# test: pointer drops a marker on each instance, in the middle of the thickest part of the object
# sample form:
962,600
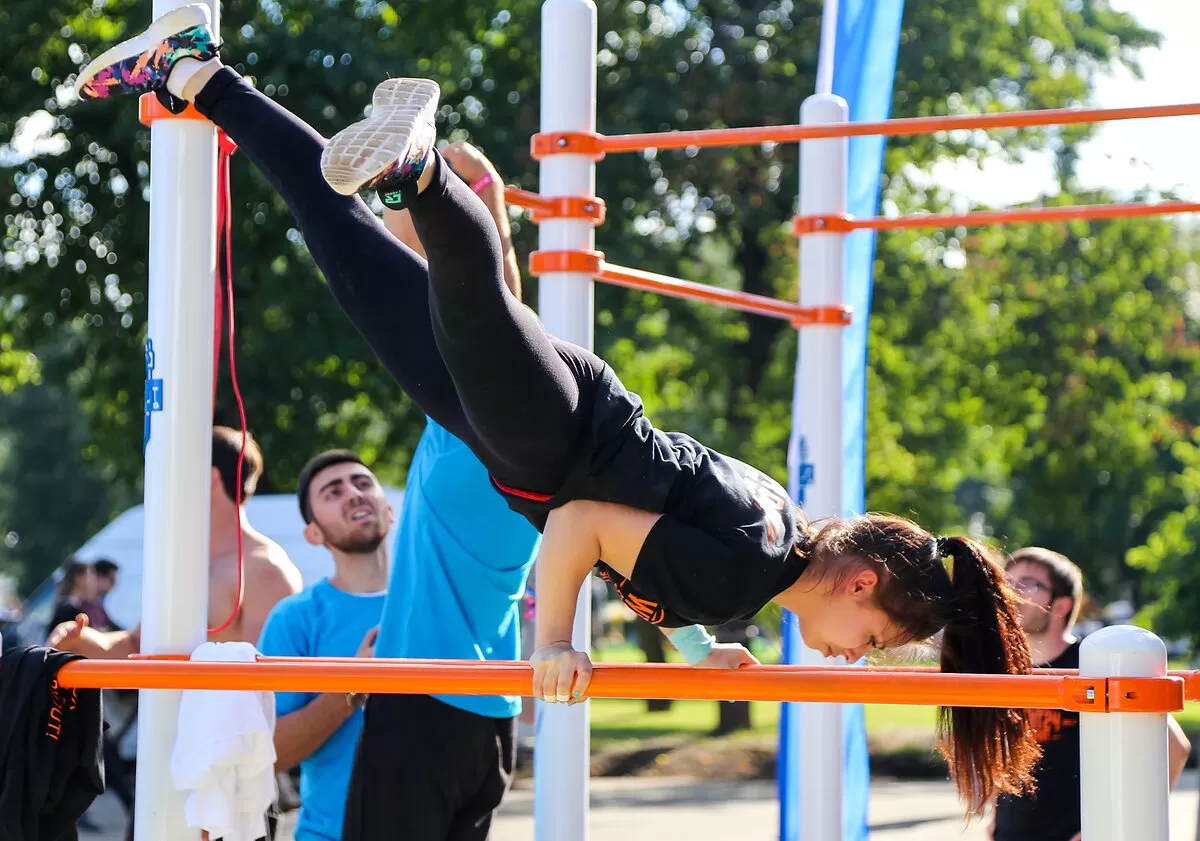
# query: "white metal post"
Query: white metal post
179,375
565,303
1123,772
816,446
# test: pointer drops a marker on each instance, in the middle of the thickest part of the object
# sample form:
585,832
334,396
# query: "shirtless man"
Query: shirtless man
269,574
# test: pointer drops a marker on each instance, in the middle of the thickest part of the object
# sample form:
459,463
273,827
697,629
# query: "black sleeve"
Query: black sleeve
694,575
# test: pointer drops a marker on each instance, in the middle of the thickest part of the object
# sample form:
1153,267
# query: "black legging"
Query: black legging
470,354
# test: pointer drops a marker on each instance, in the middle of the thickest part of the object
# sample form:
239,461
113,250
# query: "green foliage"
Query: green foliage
1037,389
51,497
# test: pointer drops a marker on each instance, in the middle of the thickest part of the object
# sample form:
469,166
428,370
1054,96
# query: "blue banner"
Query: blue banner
868,39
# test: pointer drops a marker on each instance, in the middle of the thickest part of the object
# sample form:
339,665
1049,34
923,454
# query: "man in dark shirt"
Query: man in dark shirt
1053,589
105,573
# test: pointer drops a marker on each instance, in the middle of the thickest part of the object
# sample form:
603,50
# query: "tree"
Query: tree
1168,556
81,196
1047,360
51,498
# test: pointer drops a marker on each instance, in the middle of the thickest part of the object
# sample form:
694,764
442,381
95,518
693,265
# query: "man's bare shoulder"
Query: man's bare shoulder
266,560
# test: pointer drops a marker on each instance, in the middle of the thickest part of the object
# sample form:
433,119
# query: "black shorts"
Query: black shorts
426,771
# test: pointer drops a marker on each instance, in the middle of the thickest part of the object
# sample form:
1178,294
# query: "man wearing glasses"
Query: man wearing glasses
1052,589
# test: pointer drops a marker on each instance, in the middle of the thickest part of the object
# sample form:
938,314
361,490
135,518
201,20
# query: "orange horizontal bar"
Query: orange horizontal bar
839,224
751,136
1189,677
640,680
524,198
675,287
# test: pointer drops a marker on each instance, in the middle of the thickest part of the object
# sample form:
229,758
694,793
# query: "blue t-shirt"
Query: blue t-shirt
321,621
458,575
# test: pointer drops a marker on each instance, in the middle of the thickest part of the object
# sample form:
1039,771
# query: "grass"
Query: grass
616,720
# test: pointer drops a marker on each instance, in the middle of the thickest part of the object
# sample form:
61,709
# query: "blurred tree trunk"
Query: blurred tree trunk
653,645
733,716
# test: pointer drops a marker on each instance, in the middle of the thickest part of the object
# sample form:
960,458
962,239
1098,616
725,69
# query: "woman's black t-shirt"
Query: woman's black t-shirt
729,540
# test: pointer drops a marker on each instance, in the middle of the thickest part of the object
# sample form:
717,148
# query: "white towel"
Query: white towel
224,753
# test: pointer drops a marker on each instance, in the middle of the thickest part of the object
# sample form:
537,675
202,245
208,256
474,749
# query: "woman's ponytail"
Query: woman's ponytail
990,750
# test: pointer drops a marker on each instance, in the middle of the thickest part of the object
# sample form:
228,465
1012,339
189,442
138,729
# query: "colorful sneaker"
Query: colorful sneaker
389,149
142,63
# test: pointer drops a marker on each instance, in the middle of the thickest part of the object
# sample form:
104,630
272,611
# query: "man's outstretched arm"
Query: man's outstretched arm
471,165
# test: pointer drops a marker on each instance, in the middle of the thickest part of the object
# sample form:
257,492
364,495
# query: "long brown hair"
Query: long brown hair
72,570
989,750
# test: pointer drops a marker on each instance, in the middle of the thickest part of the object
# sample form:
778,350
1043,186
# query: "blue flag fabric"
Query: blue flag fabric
868,38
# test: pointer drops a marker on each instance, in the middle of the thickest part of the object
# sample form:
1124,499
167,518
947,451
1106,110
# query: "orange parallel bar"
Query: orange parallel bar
814,224
530,201
758,683
752,136
1190,677
733,299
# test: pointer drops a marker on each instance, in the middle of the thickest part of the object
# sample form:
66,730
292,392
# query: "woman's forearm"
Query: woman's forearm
493,199
569,550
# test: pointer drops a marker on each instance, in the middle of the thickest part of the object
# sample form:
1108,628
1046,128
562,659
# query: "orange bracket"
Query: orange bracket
1123,694
837,224
1081,694
1145,694
150,110
567,143
556,207
583,262
837,316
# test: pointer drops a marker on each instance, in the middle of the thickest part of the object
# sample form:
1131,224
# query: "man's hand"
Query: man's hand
67,635
728,655
470,163
367,647
1076,837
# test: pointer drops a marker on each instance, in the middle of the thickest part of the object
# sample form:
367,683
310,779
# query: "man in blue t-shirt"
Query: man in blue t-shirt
456,583
345,510
436,767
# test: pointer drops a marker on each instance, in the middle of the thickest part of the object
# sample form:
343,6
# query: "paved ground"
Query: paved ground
635,809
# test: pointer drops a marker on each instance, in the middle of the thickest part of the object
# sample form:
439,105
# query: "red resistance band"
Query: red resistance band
224,305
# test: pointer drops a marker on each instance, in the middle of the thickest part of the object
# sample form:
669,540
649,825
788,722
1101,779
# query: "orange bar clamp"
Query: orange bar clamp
596,146
542,207
151,110
803,225
641,680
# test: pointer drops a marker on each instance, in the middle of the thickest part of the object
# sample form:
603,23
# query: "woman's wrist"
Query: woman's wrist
552,636
694,643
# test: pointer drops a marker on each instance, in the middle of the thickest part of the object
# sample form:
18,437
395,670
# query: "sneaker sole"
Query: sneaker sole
365,150
174,21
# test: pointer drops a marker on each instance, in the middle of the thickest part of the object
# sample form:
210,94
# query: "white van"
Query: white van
275,515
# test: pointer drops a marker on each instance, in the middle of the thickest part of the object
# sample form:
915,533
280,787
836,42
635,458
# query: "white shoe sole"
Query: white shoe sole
173,22
366,149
